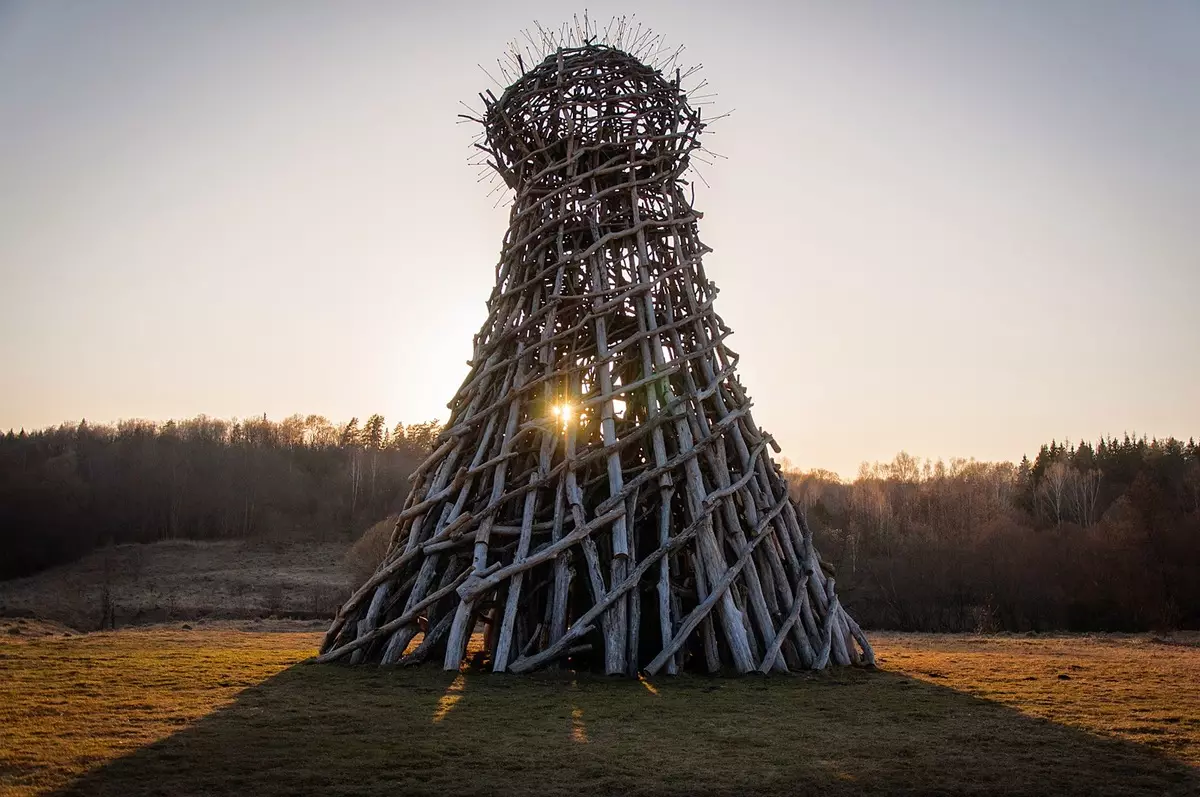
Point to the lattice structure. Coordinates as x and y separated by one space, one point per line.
601 494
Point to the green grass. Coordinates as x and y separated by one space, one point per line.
203 712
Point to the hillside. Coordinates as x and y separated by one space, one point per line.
184 580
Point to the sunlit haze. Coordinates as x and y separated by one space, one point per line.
959 229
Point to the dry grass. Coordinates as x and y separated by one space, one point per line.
1142 689
202 712
30 628
185 580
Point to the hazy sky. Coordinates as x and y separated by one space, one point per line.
956 228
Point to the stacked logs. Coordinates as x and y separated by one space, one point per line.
600 496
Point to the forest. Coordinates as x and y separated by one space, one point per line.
67 490
1085 537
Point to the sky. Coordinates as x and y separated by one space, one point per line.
952 228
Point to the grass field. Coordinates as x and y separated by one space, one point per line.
167 712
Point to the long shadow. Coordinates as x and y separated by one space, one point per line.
356 731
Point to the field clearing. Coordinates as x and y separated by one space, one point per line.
171 711
184 580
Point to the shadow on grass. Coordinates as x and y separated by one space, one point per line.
340 731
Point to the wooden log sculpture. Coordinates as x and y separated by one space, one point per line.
600 496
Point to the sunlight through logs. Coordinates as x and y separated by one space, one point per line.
578 729
447 701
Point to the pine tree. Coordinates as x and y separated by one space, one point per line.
350 436
373 432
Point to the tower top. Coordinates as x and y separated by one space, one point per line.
593 101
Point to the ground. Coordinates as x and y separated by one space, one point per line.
232 710
185 580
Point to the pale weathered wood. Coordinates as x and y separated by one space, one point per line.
785 627
601 426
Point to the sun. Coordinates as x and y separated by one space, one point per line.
564 412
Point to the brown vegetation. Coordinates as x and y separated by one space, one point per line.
1085 538
183 580
368 551
201 712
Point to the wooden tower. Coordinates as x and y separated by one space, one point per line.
600 496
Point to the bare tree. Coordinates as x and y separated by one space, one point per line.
1084 495
1054 490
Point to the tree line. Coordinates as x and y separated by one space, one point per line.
67 490
1084 537
1081 537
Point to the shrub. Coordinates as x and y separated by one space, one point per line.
368 551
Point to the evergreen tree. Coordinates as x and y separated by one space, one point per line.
373 432
350 435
